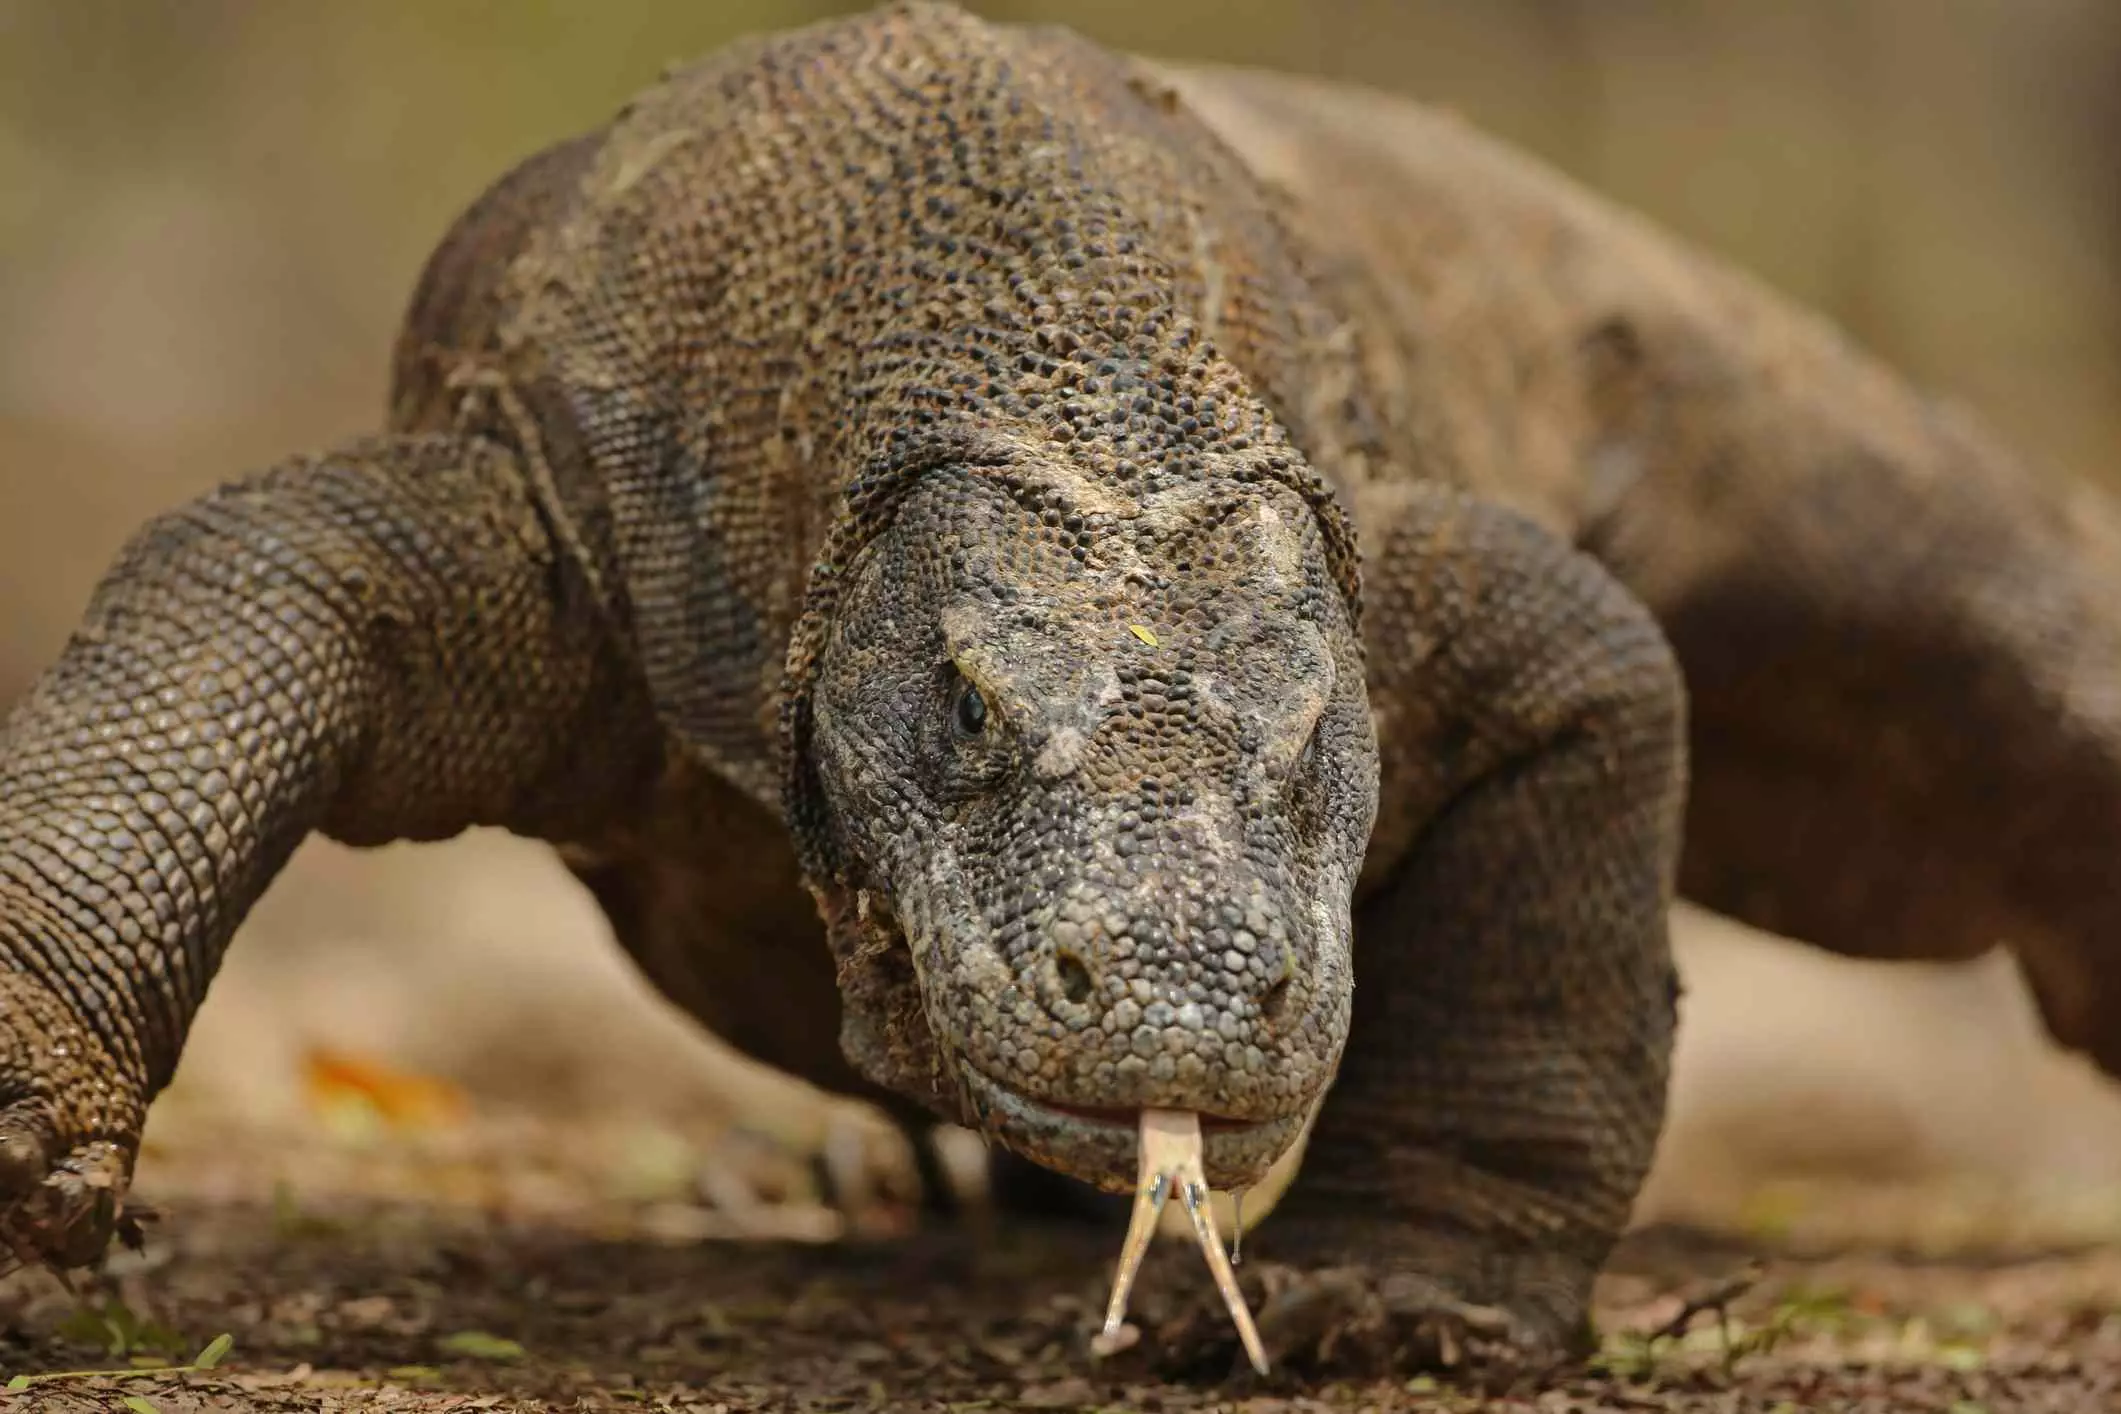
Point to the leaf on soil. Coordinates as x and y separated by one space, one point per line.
215 1352
140 1404
1969 1320
1771 1212
478 1345
357 1093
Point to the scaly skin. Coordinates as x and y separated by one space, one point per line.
886 508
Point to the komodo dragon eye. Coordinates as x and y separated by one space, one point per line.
970 712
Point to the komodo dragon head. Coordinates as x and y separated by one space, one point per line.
1094 773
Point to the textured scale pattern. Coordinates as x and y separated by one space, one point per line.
1129 886
886 508
378 644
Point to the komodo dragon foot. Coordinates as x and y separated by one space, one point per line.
68 1127
1361 1317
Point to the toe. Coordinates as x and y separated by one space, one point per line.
23 1163
1412 1296
82 1226
1354 1320
869 1173
1306 1315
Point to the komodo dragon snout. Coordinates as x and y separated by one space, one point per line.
1101 768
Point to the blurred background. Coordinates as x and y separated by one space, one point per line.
211 214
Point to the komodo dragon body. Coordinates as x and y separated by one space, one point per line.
887 508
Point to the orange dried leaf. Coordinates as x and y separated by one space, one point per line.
334 1082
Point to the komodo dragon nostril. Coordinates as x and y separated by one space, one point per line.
1275 999
1076 983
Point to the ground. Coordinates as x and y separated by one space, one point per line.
532 1266
434 1147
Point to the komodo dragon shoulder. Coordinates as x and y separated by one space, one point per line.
1019 576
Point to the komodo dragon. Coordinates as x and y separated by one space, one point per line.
886 508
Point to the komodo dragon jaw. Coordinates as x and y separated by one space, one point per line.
1104 819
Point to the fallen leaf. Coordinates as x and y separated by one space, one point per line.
478 1345
336 1083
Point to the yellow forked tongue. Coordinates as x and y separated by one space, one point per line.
1171 1163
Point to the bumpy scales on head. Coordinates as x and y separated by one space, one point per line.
1101 753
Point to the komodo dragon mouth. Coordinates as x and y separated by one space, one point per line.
1097 1144
1045 1130
1125 1119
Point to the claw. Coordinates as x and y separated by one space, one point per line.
1171 1161
22 1164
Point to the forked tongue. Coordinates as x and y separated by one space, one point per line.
1171 1163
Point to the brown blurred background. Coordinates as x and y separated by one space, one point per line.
211 212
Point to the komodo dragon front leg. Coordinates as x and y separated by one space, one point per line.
380 644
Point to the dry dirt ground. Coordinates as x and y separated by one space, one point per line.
526 1266
534 1188
524 1185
